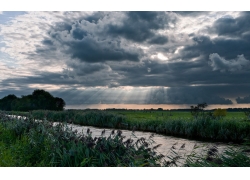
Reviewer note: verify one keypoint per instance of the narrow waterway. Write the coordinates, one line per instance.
(183, 147)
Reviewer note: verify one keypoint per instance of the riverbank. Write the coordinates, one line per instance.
(201, 128)
(60, 141)
(28, 142)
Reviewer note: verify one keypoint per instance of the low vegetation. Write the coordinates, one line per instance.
(27, 142)
(202, 127)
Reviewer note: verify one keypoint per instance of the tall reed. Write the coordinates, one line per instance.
(201, 127)
(26, 142)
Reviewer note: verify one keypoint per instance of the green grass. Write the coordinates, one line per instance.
(26, 142)
(230, 157)
(200, 128)
(163, 115)
(153, 115)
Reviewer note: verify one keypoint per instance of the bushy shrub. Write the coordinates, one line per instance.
(219, 113)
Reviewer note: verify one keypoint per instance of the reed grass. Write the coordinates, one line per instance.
(231, 157)
(27, 142)
(201, 127)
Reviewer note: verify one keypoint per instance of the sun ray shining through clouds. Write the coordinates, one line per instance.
(127, 57)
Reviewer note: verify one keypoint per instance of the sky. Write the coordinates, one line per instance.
(127, 57)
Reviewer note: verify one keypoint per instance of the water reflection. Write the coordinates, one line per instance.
(181, 146)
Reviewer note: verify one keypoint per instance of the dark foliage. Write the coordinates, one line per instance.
(39, 99)
(198, 110)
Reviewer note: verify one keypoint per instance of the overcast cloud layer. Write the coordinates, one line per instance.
(127, 57)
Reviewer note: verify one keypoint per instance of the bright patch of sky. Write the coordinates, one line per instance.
(7, 16)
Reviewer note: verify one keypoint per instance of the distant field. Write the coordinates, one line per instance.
(158, 115)
(165, 115)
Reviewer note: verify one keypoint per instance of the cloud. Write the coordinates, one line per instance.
(102, 52)
(233, 27)
(221, 64)
(141, 26)
(243, 100)
(184, 95)
(83, 40)
(158, 40)
(191, 13)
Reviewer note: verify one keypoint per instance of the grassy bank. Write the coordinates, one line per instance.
(26, 142)
(202, 127)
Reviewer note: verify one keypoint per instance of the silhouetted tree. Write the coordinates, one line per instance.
(5, 103)
(198, 110)
(39, 99)
(59, 103)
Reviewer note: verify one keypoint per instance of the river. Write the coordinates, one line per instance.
(183, 147)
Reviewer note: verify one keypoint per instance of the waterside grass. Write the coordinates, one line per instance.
(27, 142)
(201, 127)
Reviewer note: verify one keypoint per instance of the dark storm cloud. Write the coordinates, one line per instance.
(82, 69)
(158, 73)
(227, 48)
(94, 18)
(184, 95)
(243, 100)
(80, 75)
(238, 27)
(141, 26)
(80, 41)
(41, 78)
(233, 39)
(219, 63)
(105, 49)
(158, 40)
(92, 50)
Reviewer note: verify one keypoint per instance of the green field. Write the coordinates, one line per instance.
(140, 115)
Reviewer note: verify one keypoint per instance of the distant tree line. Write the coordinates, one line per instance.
(39, 99)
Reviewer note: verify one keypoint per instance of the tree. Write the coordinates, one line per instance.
(42, 99)
(5, 103)
(39, 99)
(59, 103)
(198, 110)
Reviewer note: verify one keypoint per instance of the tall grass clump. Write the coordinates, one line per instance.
(88, 118)
(27, 142)
(230, 157)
